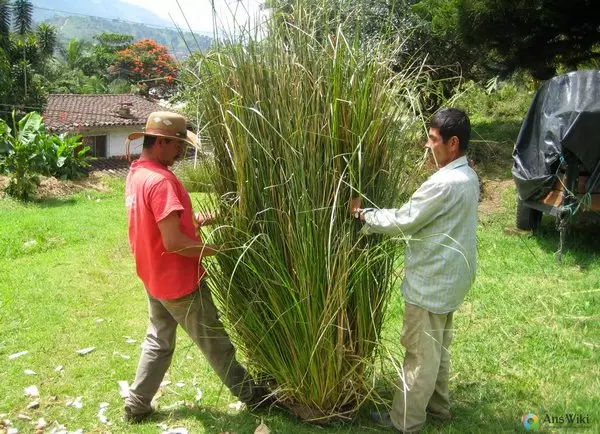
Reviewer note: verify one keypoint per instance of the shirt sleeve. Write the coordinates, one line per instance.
(427, 203)
(163, 199)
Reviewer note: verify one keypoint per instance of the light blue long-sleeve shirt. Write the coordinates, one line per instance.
(439, 223)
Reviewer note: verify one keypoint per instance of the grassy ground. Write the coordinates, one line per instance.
(526, 340)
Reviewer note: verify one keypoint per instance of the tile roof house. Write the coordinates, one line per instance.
(104, 121)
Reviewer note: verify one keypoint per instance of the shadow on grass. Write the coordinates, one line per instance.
(473, 411)
(55, 202)
(277, 419)
(580, 247)
(491, 148)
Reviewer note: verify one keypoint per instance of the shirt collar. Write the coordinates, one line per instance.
(461, 161)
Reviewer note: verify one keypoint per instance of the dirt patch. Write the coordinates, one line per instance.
(491, 195)
(52, 187)
(4, 180)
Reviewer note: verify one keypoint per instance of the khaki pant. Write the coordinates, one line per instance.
(197, 315)
(424, 386)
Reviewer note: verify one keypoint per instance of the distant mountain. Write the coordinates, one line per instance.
(86, 28)
(44, 9)
(87, 18)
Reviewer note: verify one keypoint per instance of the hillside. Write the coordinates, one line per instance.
(85, 28)
(44, 9)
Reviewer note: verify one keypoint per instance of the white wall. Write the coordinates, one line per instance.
(116, 138)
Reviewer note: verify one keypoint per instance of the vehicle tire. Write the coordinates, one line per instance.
(528, 219)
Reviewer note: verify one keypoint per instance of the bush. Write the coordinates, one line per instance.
(26, 151)
(498, 100)
(300, 123)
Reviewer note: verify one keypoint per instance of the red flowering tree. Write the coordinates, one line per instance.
(149, 65)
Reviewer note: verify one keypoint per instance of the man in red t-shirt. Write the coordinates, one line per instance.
(168, 257)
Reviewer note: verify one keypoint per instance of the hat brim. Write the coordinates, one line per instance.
(191, 138)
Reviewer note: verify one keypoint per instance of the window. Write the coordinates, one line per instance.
(97, 145)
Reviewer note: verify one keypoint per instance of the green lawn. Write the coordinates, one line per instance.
(527, 338)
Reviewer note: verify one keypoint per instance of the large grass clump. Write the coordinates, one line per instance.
(301, 121)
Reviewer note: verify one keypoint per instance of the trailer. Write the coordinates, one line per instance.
(556, 159)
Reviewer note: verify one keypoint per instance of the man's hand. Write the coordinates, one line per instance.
(355, 210)
(204, 218)
(177, 242)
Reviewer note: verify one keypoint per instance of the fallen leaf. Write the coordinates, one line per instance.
(23, 417)
(5, 422)
(33, 404)
(178, 430)
(12, 431)
(262, 428)
(237, 406)
(162, 426)
(198, 395)
(164, 383)
(123, 389)
(29, 372)
(99, 320)
(130, 341)
(101, 417)
(180, 384)
(58, 368)
(85, 351)
(15, 355)
(32, 391)
(29, 243)
(41, 423)
(123, 356)
(76, 403)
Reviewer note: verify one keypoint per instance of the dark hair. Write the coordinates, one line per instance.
(148, 141)
(452, 122)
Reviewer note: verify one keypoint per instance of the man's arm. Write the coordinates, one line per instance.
(176, 241)
(426, 204)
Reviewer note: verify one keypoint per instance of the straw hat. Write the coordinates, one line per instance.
(166, 124)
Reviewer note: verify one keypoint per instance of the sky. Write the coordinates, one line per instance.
(199, 13)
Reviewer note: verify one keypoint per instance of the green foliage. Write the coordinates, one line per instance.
(46, 39)
(198, 177)
(69, 157)
(491, 37)
(503, 100)
(22, 11)
(5, 15)
(21, 161)
(27, 151)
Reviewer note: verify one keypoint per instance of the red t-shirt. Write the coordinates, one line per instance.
(152, 193)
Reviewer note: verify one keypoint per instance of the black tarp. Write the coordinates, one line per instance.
(563, 118)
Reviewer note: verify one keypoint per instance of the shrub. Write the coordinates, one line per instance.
(300, 122)
(26, 151)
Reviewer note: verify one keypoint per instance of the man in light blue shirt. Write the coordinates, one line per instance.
(439, 224)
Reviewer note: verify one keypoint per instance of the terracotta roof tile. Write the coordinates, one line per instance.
(67, 112)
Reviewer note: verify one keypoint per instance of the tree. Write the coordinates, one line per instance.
(104, 53)
(535, 35)
(499, 37)
(5, 15)
(46, 39)
(149, 65)
(76, 54)
(22, 11)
